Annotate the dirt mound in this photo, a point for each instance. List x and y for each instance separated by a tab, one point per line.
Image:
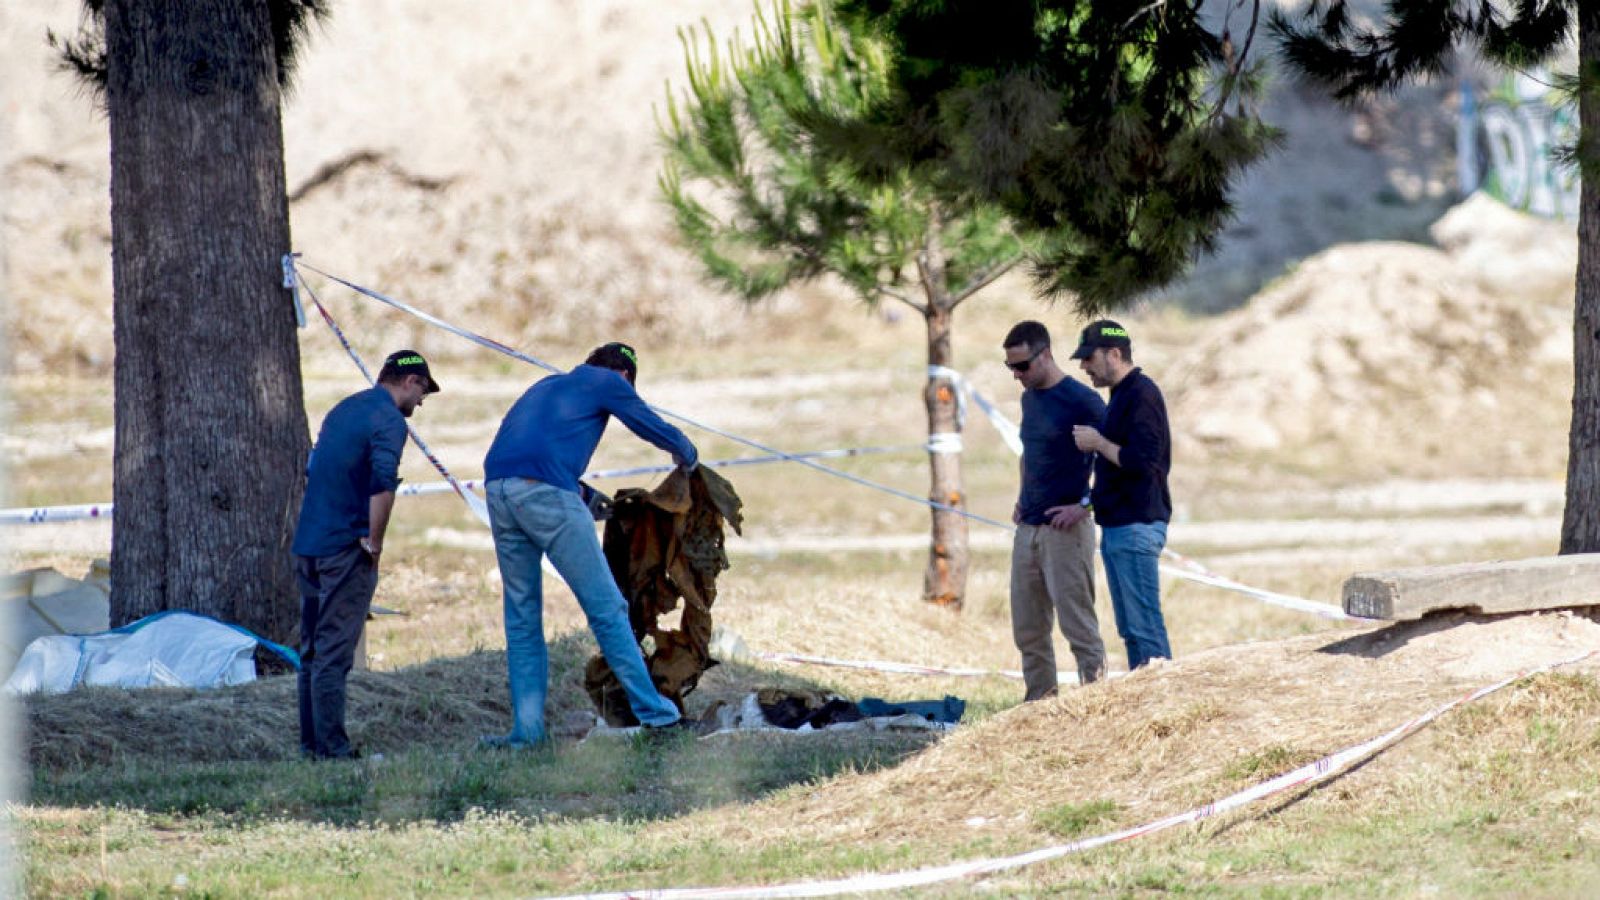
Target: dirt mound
1403	355
1172	736
1508	254
509	183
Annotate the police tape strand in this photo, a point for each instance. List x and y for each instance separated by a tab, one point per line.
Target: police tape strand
37	515
1307	775
473	501
601	474
964	388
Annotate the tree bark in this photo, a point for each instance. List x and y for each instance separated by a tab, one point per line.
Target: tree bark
1580	525
945	582
211	436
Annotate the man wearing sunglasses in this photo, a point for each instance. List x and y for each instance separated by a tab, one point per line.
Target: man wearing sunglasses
538	508
1052	556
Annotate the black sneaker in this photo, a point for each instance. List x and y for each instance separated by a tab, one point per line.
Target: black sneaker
353	753
662	733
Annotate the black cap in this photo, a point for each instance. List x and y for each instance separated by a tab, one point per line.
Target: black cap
408	362
618	357
1104	333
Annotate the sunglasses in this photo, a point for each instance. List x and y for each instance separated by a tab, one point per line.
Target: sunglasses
1023	366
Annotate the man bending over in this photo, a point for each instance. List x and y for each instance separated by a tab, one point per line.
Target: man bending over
537	508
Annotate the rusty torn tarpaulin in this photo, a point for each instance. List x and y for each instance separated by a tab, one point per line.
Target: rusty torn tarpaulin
664	545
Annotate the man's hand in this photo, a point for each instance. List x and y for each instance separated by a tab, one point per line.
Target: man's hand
1062	518
600	505
1088	438
378	509
1016	514
602	508
684	464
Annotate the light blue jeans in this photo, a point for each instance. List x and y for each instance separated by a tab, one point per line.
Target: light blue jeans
1132	554
531	519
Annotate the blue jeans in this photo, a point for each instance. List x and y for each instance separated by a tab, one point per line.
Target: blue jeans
531	519
1132	555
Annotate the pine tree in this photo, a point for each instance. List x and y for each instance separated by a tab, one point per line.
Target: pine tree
1415	40
1110	132
764	205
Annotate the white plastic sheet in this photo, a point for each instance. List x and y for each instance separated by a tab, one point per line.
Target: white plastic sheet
171	650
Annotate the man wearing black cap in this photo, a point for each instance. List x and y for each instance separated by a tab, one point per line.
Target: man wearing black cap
1130	497
539	508
350	483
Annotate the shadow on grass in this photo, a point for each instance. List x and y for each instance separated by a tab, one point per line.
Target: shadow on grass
1381	642
233	753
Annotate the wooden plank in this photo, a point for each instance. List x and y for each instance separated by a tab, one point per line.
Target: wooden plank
1521	585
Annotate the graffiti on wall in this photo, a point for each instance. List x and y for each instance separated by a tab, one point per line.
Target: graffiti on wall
1504	146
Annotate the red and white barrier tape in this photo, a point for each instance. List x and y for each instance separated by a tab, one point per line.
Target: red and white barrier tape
1309	774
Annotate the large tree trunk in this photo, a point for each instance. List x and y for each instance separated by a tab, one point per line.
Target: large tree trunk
1580	526
211	435
945	582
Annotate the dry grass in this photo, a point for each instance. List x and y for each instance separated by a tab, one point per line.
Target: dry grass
1168	737
444	701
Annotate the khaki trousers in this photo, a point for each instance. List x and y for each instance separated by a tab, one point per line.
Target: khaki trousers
1052	576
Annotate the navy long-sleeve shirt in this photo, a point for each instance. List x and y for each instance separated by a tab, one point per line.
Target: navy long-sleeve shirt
1135	491
551	431
1054	471
357	455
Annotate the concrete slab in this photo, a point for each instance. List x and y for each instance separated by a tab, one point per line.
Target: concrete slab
1549	582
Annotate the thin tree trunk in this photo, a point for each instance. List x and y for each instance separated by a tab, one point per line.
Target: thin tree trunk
945	582
1580	526
211	435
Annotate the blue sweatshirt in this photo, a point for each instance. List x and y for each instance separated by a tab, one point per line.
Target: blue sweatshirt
357	455
552	430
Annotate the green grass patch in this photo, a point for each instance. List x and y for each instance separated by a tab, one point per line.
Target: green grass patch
625	778
1071	820
1268	762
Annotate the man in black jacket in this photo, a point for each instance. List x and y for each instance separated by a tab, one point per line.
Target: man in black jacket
1130	497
